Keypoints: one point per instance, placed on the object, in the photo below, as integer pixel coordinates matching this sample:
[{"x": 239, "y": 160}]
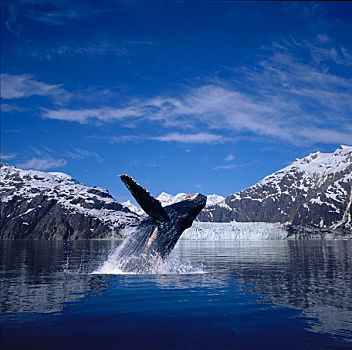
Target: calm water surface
[{"x": 230, "y": 295}]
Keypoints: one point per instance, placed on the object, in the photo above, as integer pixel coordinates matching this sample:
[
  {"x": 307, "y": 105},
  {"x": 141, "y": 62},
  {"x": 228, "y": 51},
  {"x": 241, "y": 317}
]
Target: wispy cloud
[
  {"x": 191, "y": 138},
  {"x": 210, "y": 105},
  {"x": 7, "y": 156},
  {"x": 44, "y": 158},
  {"x": 68, "y": 50},
  {"x": 222, "y": 108},
  {"x": 323, "y": 38},
  {"x": 283, "y": 97},
  {"x": 80, "y": 153},
  {"x": 12, "y": 131},
  {"x": 227, "y": 167},
  {"x": 327, "y": 135},
  {"x": 23, "y": 86},
  {"x": 93, "y": 47},
  {"x": 124, "y": 138},
  {"x": 43, "y": 163},
  {"x": 5, "y": 107},
  {"x": 84, "y": 116},
  {"x": 324, "y": 50},
  {"x": 229, "y": 158},
  {"x": 49, "y": 12}
]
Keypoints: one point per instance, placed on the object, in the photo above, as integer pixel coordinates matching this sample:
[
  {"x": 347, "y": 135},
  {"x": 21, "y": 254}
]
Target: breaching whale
[{"x": 157, "y": 232}]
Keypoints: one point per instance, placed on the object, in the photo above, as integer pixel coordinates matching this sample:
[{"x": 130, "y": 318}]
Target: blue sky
[{"x": 184, "y": 96}]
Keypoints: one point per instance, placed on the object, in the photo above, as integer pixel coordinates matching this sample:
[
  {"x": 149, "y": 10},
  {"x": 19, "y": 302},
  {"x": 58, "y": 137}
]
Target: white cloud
[
  {"x": 323, "y": 38},
  {"x": 328, "y": 135},
  {"x": 49, "y": 12},
  {"x": 43, "y": 163},
  {"x": 23, "y": 86},
  {"x": 96, "y": 49},
  {"x": 190, "y": 138},
  {"x": 227, "y": 167},
  {"x": 80, "y": 153},
  {"x": 5, "y": 107},
  {"x": 229, "y": 158},
  {"x": 93, "y": 47},
  {"x": 233, "y": 166},
  {"x": 285, "y": 99},
  {"x": 84, "y": 116},
  {"x": 325, "y": 50},
  {"x": 7, "y": 156},
  {"x": 282, "y": 97},
  {"x": 119, "y": 138},
  {"x": 12, "y": 131}
]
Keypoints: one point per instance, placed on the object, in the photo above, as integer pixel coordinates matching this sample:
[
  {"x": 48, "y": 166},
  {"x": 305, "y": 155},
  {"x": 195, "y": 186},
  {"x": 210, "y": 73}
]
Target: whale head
[
  {"x": 184, "y": 213},
  {"x": 180, "y": 217}
]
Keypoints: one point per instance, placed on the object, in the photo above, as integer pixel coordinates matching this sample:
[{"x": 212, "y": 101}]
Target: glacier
[{"x": 222, "y": 231}]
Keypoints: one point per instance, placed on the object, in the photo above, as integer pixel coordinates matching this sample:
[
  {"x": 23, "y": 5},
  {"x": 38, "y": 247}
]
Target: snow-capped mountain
[
  {"x": 36, "y": 204},
  {"x": 167, "y": 199},
  {"x": 313, "y": 191}
]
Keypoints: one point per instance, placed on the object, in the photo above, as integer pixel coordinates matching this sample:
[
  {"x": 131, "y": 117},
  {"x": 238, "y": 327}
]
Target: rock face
[
  {"x": 314, "y": 191},
  {"x": 41, "y": 205}
]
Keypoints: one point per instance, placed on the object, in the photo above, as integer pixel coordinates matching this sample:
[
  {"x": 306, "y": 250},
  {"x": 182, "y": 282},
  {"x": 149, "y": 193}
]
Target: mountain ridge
[
  {"x": 312, "y": 191},
  {"x": 167, "y": 199},
  {"x": 36, "y": 204}
]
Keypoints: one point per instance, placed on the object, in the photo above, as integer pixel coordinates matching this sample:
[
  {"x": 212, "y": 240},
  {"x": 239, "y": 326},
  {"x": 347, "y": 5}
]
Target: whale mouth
[{"x": 193, "y": 204}]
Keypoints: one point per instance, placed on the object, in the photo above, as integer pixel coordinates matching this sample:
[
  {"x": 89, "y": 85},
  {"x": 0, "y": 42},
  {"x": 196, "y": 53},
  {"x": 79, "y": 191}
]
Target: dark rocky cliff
[{"x": 40, "y": 205}]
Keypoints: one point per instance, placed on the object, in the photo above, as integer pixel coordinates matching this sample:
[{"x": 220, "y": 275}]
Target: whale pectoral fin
[{"x": 148, "y": 203}]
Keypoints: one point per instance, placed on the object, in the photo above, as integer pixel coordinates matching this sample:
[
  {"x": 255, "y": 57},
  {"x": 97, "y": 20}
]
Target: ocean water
[{"x": 269, "y": 294}]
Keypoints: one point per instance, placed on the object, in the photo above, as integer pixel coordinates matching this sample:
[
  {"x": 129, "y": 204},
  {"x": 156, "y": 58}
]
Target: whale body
[{"x": 159, "y": 230}]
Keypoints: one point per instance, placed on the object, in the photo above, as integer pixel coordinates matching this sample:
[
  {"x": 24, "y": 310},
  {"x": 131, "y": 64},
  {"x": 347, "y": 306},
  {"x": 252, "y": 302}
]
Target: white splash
[{"x": 145, "y": 264}]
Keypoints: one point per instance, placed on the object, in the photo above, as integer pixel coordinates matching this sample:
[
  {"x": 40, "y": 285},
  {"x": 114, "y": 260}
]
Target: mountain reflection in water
[{"x": 312, "y": 277}]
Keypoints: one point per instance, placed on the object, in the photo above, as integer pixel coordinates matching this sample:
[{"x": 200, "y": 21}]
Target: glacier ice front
[{"x": 216, "y": 231}]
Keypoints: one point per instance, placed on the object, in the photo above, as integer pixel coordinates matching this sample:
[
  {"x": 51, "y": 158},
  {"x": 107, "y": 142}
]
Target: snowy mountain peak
[
  {"x": 345, "y": 147},
  {"x": 57, "y": 205},
  {"x": 343, "y": 150},
  {"x": 318, "y": 163},
  {"x": 61, "y": 175},
  {"x": 168, "y": 199},
  {"x": 213, "y": 199},
  {"x": 315, "y": 190}
]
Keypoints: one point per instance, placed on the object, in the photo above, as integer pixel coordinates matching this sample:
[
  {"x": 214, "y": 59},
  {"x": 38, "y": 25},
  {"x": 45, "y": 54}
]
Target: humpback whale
[{"x": 157, "y": 232}]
